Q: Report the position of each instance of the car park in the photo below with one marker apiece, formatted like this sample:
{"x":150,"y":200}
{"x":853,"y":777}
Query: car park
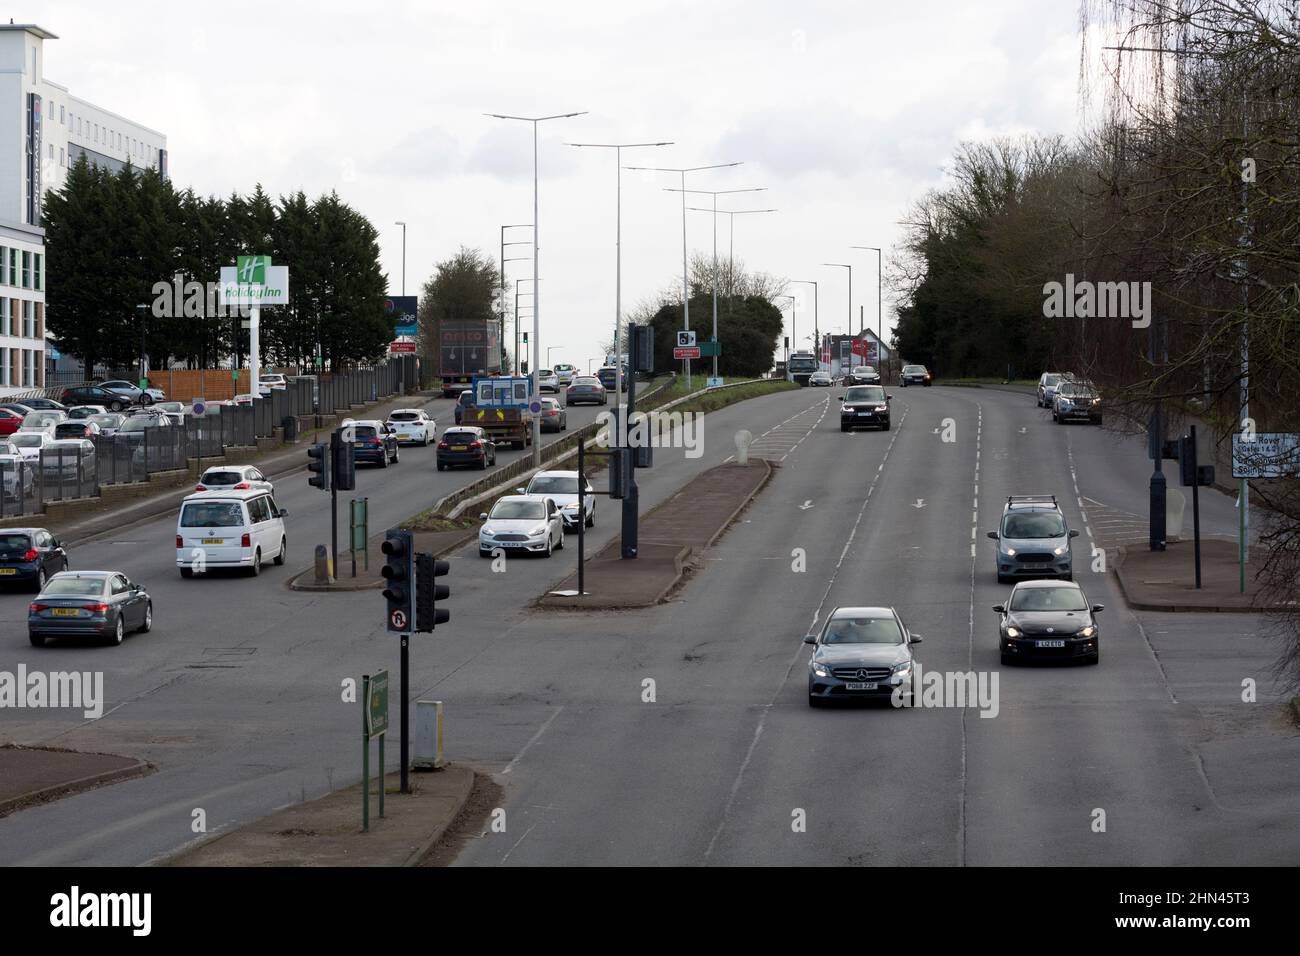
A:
{"x":30,"y":556}
{"x":562,"y":488}
{"x":234,"y":478}
{"x":104,"y":604}
{"x":521,"y":523}
{"x":229,"y":529}
{"x":547,"y":380}
{"x":77,"y":412}
{"x":373,"y":442}
{"x":29,"y":445}
{"x":1033,"y":539}
{"x":860,"y":652}
{"x":42,"y":420}
{"x":10,"y":421}
{"x":463,"y":401}
{"x":413,"y":425}
{"x":466,"y":445}
{"x":16,"y":473}
{"x":1076,"y":401}
{"x":915,"y":375}
{"x":554,"y":417}
{"x":864,"y":405}
{"x":1048,"y":620}
{"x":821,"y":378}
{"x":76,"y":428}
{"x":96,"y":395}
{"x":586,"y":390}
{"x":133,"y":392}
{"x":1048,"y":383}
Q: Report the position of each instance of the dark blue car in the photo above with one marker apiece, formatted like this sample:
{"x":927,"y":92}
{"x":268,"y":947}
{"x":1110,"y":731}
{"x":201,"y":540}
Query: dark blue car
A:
{"x":606,"y":376}
{"x":30,"y":556}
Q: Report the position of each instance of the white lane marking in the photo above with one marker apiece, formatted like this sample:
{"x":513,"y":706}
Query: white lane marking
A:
{"x":806,"y":505}
{"x":970,"y":644}
{"x":767,"y":708}
{"x":532,"y":740}
{"x":920,"y":503}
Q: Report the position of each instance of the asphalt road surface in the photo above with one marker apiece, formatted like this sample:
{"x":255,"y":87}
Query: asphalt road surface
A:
{"x":1148,"y":758}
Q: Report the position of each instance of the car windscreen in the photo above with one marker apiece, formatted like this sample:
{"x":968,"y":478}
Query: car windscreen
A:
{"x":518,"y":509}
{"x":914,"y":370}
{"x":11,"y":544}
{"x":212,"y":514}
{"x":862,"y":630}
{"x":222,"y":478}
{"x":404,"y":417}
{"x":1040,"y":524}
{"x":30,"y":440}
{"x":869,"y":393}
{"x":454,"y":437}
{"x":1052,"y":380}
{"x":1048,"y":599}
{"x":553,"y":485}
{"x":106,"y":421}
{"x":75,"y":587}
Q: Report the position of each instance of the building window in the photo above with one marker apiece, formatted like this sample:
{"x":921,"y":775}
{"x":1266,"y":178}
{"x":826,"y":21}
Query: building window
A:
{"x":27,"y":269}
{"x":78,"y":125}
{"x":62,"y":157}
{"x":27,"y":318}
{"x":61,"y":122}
{"x":40,"y":320}
{"x":38,"y":273}
{"x":4,"y":269}
{"x":13,"y":266}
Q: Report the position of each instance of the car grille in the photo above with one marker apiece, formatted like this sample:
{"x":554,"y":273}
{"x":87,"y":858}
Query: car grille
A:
{"x":1035,"y":556}
{"x":512,"y":537}
{"x":861,"y":673}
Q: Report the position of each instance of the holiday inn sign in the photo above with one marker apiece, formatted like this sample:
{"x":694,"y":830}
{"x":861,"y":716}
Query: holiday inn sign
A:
{"x":252,"y":280}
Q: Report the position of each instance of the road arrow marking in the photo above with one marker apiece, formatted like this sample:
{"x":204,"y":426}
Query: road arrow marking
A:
{"x":920,"y":503}
{"x":806,"y":505}
{"x":1022,"y":431}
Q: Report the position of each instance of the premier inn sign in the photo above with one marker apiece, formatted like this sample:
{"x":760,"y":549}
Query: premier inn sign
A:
{"x":252,"y":280}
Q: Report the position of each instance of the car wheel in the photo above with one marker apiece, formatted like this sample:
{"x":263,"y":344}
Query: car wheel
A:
{"x":118,"y":633}
{"x":116,"y":406}
{"x":396,"y":459}
{"x":146,"y":399}
{"x":38,"y":640}
{"x":1096,"y":658}
{"x":441,"y":466}
{"x":383,"y":460}
{"x":549,"y":547}
{"x":256,"y":569}
{"x":187,"y":572}
{"x":147,"y":626}
{"x":560,"y":546}
{"x":1003,"y":579}
{"x":886,"y":426}
{"x":814,"y":701}
{"x":482,"y":465}
{"x":591,"y":520}
{"x":1006,"y":660}
{"x":1069,"y":576}
{"x":41,"y":578}
{"x":484,"y":554}
{"x":284,"y":552}
{"x":844,"y":428}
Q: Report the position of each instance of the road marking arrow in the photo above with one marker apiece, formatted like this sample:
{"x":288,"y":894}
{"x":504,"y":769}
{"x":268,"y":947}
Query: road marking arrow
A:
{"x":920,"y":503}
{"x":806,"y":505}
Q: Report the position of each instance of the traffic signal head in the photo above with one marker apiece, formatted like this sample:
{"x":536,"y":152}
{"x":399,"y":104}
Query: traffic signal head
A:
{"x":319,"y":466}
{"x":429,"y":593}
{"x":398,"y":559}
{"x":344,"y":464}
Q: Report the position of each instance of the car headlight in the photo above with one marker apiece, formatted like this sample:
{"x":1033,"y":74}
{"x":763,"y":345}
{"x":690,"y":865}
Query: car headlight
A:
{"x":1011,"y":551}
{"x":820,"y":669}
{"x":540,"y":529}
{"x":903,"y":669}
{"x":1013,"y":632}
{"x":882,"y":408}
{"x":1061,"y":550}
{"x":1088,"y":631}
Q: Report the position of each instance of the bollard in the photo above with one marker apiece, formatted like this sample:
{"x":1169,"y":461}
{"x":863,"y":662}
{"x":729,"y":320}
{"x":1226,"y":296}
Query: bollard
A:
{"x":743,"y":438}
{"x":428,"y":736}
{"x":324,"y":568}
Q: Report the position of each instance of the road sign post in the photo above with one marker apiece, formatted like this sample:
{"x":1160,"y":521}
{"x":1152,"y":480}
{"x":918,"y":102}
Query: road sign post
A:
{"x":374,"y":723}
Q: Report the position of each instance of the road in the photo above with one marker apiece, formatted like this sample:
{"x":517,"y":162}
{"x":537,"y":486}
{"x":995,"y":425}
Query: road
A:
{"x":236,"y":694}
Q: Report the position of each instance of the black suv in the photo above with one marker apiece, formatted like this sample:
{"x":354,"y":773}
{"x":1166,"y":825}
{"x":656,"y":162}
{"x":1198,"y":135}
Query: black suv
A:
{"x":864,"y":405}
{"x":94,"y":395}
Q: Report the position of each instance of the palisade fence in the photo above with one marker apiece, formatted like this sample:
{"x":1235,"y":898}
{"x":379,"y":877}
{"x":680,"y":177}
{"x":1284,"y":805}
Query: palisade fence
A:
{"x":80,"y":469}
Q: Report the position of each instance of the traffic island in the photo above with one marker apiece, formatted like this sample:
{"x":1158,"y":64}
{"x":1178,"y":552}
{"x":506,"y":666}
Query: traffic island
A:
{"x":1166,"y":580}
{"x":32,"y":775}
{"x":669,"y":537}
{"x":436,"y":543}
{"x":327,"y":831}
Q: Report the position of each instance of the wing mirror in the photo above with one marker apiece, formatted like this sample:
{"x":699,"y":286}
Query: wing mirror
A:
{"x":993,"y":535}
{"x":482,"y":516}
{"x":1073,"y":533}
{"x":520,"y":491}
{"x":841,"y":398}
{"x":284,"y":512}
{"x":1000,"y":608}
{"x":810,"y":639}
{"x":915,"y":639}
{"x":1098,"y":607}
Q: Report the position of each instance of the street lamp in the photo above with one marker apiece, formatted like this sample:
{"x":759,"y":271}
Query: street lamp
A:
{"x":504,"y":260}
{"x":537,"y":424}
{"x":715,"y":193}
{"x":686,"y":287}
{"x":549,"y":350}
{"x":731,"y":253}
{"x":618,"y":249}
{"x":794,"y":328}
{"x":817,"y":331}
{"x":841,"y":265}
{"x":880,"y":314}
{"x":403,"y":225}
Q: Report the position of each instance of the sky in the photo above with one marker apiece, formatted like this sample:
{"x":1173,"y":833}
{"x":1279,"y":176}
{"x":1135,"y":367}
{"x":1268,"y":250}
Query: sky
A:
{"x":846,"y":113}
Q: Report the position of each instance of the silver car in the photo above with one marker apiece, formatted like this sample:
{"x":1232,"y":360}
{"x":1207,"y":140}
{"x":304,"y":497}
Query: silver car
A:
{"x":1033,"y":539}
{"x":519,"y":523}
{"x":1048,"y":383}
{"x":861,"y":652}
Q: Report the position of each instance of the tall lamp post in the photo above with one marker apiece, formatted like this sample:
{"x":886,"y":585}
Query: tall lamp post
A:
{"x":731,"y":251}
{"x":403,"y":225}
{"x":517,"y":295}
{"x":537,"y":308}
{"x":817,"y":329}
{"x":794,"y":329}
{"x":715,"y":193}
{"x":686,"y":285}
{"x":841,"y":265}
{"x":880,"y":314}
{"x":618,"y":249}
{"x":504,"y":260}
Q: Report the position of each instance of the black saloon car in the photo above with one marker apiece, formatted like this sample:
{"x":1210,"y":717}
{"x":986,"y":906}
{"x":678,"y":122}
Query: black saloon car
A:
{"x":95,"y":395}
{"x":466,"y":445}
{"x":1048,"y":620}
{"x":102,"y":604}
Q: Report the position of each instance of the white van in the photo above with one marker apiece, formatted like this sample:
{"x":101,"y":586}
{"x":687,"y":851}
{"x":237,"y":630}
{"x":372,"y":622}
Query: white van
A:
{"x":229,"y":529}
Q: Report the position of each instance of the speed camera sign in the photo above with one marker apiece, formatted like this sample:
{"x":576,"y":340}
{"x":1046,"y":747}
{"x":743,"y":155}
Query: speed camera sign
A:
{"x":685,"y":339}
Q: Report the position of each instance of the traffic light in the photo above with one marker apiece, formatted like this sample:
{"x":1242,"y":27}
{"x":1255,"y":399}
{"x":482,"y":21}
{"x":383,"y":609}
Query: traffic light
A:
{"x":525,"y":338}
{"x":643,"y":347}
{"x":344,"y":463}
{"x":428,"y":592}
{"x":620,"y":472}
{"x":398,"y":561}
{"x":319,"y":466}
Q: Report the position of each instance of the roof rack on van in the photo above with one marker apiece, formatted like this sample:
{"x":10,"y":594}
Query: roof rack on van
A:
{"x":1029,"y":499}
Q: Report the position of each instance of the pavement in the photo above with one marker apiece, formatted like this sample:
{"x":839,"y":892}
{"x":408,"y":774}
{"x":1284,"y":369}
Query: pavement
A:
{"x":1166,"y":580}
{"x":35,"y":775}
{"x":667,"y":538}
{"x":327,"y":831}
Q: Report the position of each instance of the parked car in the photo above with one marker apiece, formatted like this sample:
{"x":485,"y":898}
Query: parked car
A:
{"x":234,"y":478}
{"x":463,"y":401}
{"x":69,"y":458}
{"x":16,"y":475}
{"x":44,"y":405}
{"x":864,"y":405}
{"x":85,"y":411}
{"x":244,"y":398}
{"x":861,"y":652}
{"x":108,"y":423}
{"x":547,"y":380}
{"x":229,"y":529}
{"x":104,"y":604}
{"x":10,"y":421}
{"x":466,"y":445}
{"x":1033,"y":539}
{"x":413,"y":425}
{"x":271,"y":381}
{"x":76,"y":428}
{"x":95,"y":395}
{"x":29,"y":445}
{"x":915,"y":375}
{"x":562,"y":488}
{"x":18,"y":409}
{"x":178,"y":409}
{"x":586,"y":389}
{"x":1048,"y":620}
{"x":137,"y":395}
{"x":30,"y":556}
{"x":520,"y":523}
{"x":554,"y":417}
{"x":42,"y":420}
{"x":373,"y":442}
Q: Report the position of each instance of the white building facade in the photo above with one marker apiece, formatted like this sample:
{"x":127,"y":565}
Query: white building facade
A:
{"x":44,"y":129}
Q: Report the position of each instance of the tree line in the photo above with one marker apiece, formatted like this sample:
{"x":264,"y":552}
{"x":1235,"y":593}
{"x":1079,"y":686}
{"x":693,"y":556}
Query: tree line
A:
{"x":116,"y":240}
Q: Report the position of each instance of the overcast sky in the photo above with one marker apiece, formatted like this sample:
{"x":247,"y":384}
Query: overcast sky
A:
{"x":846,"y":112}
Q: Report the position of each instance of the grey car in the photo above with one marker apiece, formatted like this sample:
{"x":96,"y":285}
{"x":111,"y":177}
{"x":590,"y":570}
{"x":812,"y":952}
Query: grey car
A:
{"x":1048,"y":383}
{"x":862,"y":653}
{"x":103,"y":604}
{"x":1033,"y":539}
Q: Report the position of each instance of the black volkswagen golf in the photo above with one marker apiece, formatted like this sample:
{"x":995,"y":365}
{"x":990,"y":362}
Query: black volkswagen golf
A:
{"x":1048,"y":620}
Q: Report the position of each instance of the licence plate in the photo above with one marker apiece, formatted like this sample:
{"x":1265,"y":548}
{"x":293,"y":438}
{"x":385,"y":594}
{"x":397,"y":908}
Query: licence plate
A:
{"x":861,"y":686}
{"x":1049,"y":643}
{"x":8,"y":570}
{"x":458,"y":447}
{"x":65,"y":612}
{"x":512,"y":544}
{"x":214,"y":541}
